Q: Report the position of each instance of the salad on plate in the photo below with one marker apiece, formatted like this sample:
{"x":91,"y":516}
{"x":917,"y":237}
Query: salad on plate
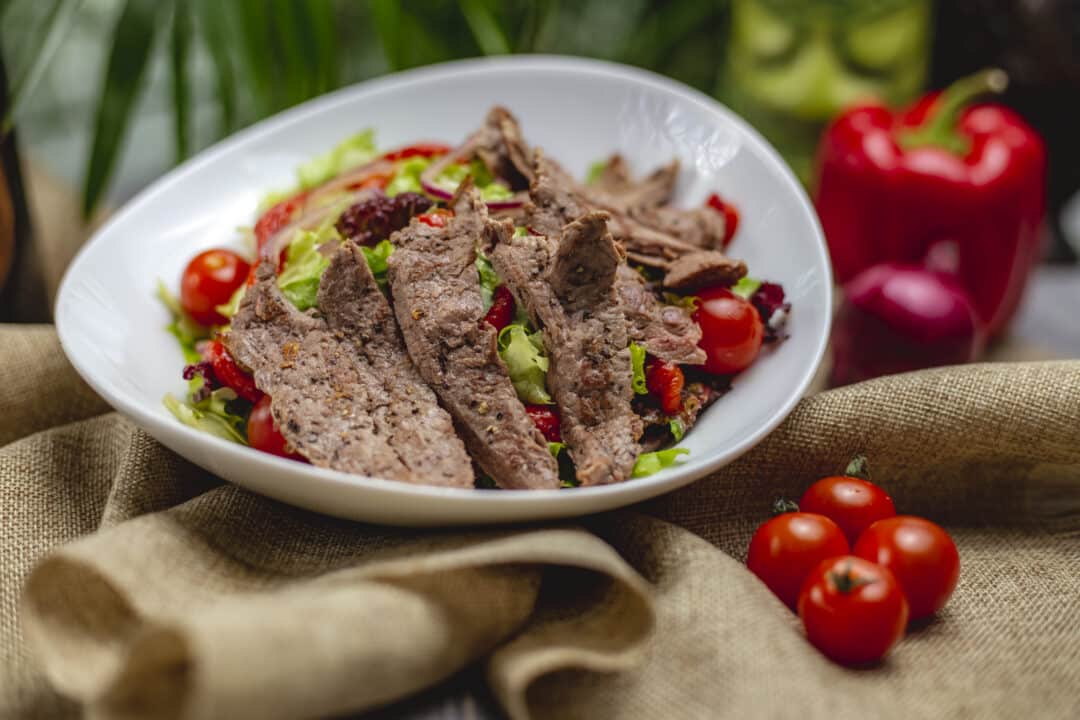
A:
{"x":470,"y":316}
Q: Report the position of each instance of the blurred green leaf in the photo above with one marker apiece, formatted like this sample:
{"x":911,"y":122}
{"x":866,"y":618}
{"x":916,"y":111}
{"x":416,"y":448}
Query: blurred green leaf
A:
{"x":180,"y":43}
{"x":663,"y":30}
{"x":294,"y":72}
{"x":48,"y":37}
{"x":485,"y":28}
{"x":387,"y":14}
{"x":256,"y":45}
{"x":322,"y":30}
{"x":220,"y":38}
{"x":132,"y":39}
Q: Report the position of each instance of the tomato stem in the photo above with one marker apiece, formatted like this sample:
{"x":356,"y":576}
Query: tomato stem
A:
{"x":859,"y":467}
{"x":782,"y":505}
{"x":845,"y":583}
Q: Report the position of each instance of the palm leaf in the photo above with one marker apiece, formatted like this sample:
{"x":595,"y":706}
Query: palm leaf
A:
{"x":321,"y":27}
{"x":218,"y":35}
{"x":132,"y":40}
{"x":387,"y":15}
{"x":485,"y":28}
{"x":50,"y":34}
{"x":181,"y":89}
{"x":287,"y":22}
{"x":257,"y":45}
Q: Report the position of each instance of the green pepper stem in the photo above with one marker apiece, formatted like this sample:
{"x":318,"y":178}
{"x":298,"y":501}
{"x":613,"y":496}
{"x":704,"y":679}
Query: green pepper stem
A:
{"x":940,"y":128}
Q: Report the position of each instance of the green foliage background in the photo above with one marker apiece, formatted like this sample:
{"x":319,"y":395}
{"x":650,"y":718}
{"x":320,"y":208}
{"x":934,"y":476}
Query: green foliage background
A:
{"x":270,"y":54}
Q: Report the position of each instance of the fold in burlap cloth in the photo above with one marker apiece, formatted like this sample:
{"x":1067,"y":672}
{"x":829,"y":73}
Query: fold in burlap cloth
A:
{"x":138,"y":585}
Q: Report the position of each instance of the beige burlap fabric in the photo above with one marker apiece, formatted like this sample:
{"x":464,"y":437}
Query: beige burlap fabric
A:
{"x":136,"y":585}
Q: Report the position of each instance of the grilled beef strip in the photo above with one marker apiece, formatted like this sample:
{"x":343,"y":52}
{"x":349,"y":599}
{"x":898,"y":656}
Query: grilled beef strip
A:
{"x":501,"y":147}
{"x":345,"y":394}
{"x":567,"y":287}
{"x":436,"y":290}
{"x":705,"y":268}
{"x":615,"y":188}
{"x":666,"y":331}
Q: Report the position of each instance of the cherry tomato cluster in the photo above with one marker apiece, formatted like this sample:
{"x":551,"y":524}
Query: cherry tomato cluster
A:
{"x":854,"y":570}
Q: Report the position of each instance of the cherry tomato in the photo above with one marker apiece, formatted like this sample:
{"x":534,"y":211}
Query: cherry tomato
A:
{"x":731,"y":216}
{"x":665,"y":380}
{"x":852,"y":609}
{"x":418,"y":150}
{"x":502,"y":308}
{"x":263,"y":433}
{"x":547,"y":421}
{"x":787,"y":547}
{"x":209,"y":280}
{"x":277,"y":217}
{"x":731,"y":331}
{"x":852,"y":503}
{"x":229,"y":373}
{"x":920,"y":554}
{"x":436,"y":218}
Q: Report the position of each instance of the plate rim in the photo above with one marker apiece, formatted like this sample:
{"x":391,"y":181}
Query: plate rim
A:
{"x":638,"y":489}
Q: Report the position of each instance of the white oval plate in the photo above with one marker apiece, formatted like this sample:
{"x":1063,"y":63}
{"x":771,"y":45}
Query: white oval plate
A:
{"x":112,"y":328}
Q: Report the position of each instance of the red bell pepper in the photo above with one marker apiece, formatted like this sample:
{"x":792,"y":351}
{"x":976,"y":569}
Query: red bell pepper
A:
{"x":956,"y":187}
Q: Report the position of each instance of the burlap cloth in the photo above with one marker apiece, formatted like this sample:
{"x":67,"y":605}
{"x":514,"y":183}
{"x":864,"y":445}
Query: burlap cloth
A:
{"x":136,"y":585}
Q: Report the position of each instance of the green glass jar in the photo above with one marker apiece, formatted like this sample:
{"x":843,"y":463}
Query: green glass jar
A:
{"x":794,"y":64}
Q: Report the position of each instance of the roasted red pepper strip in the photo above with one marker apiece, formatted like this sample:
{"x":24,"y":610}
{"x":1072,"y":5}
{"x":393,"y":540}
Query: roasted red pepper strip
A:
{"x":958,"y":188}
{"x":731,"y":217}
{"x":418,"y":150}
{"x":665,"y":381}
{"x":546,"y":420}
{"x":277,"y":218}
{"x":502,"y":309}
{"x":436,"y":218}
{"x":229,"y":373}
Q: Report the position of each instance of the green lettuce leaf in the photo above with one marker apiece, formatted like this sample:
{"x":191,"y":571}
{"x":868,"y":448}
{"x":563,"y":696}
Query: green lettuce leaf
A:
{"x":687,"y":302}
{"x":407,"y":176}
{"x":489,"y":279}
{"x":186,"y":331}
{"x":521,"y":231}
{"x":746,"y":287}
{"x":490,"y":188}
{"x":377,"y":258}
{"x":653,"y":462}
{"x":523,"y":353}
{"x":351,"y":152}
{"x":213,"y":414}
{"x":229,"y":309}
{"x":678,"y":430}
{"x":304,"y":266}
{"x":637,"y":363}
{"x":595,"y":170}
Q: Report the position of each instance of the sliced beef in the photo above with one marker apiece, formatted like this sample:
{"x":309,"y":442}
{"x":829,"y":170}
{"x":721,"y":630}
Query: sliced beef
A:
{"x":566,"y":283}
{"x":705,"y":268}
{"x":697,"y":395}
{"x":665,"y":331}
{"x":436,"y":290}
{"x":614,"y":188}
{"x":700,"y":227}
{"x":500,"y":146}
{"x":345,"y":394}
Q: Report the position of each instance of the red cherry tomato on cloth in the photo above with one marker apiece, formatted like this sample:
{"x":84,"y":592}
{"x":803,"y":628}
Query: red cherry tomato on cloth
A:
{"x":920,"y":554}
{"x":665,"y":381}
{"x":263,"y":433}
{"x":502,"y":308}
{"x":209,"y":280}
{"x":546,"y":420}
{"x":731,"y":216}
{"x":787,"y":547}
{"x":852,"y":609}
{"x":418,"y":150}
{"x":852,"y":503}
{"x":731,"y":331}
{"x":229,"y":373}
